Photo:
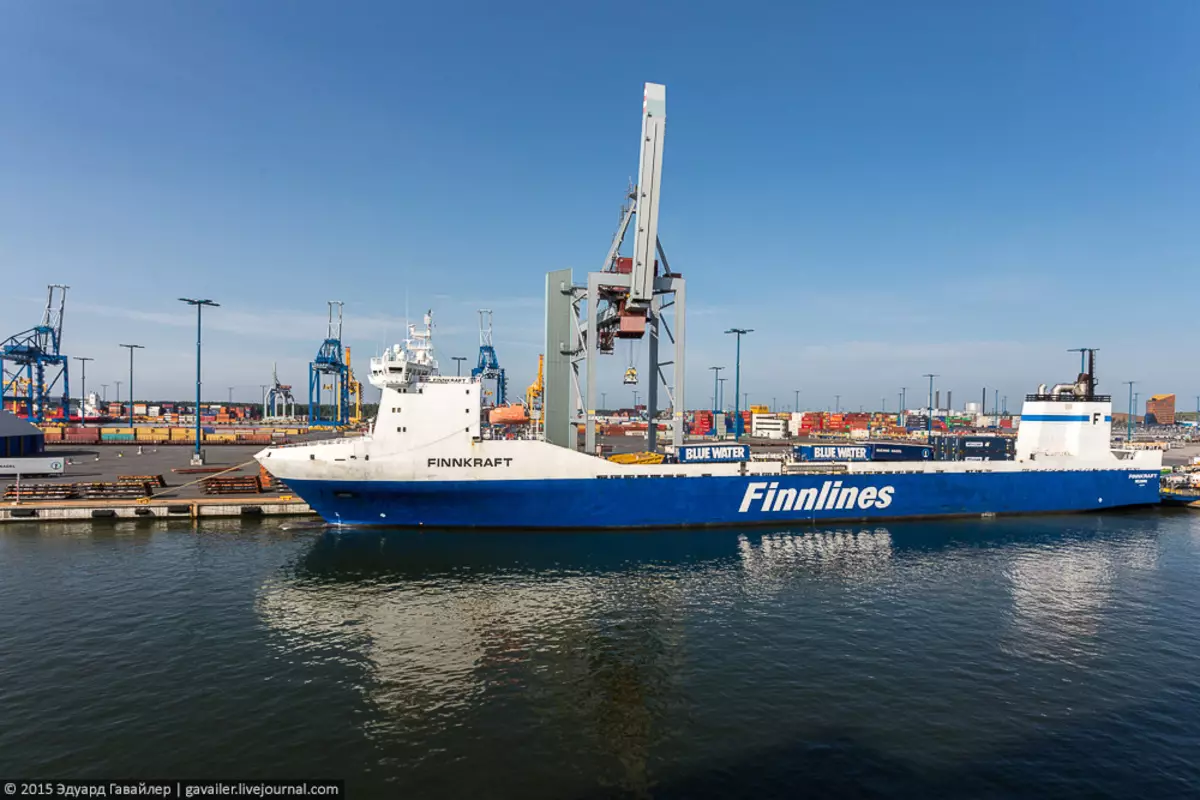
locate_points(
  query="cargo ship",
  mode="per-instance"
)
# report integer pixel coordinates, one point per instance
(428, 462)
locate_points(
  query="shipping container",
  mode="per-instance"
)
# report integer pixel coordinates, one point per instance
(901, 452)
(981, 444)
(823, 452)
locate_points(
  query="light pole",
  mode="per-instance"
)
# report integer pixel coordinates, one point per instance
(198, 456)
(716, 385)
(104, 395)
(458, 364)
(1129, 415)
(635, 394)
(837, 404)
(231, 388)
(603, 401)
(118, 400)
(737, 380)
(929, 422)
(82, 384)
(721, 394)
(797, 406)
(131, 347)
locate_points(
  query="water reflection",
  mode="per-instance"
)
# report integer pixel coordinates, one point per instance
(598, 635)
(591, 638)
(1062, 593)
(773, 560)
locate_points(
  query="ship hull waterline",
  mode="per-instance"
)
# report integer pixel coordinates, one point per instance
(719, 501)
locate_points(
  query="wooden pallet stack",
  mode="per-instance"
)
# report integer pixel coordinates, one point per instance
(155, 481)
(242, 484)
(113, 491)
(41, 491)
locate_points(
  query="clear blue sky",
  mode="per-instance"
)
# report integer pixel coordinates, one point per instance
(879, 189)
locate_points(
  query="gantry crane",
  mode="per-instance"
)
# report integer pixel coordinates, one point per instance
(626, 299)
(533, 395)
(355, 390)
(280, 402)
(331, 365)
(488, 368)
(33, 360)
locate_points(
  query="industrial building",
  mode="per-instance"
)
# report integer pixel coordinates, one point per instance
(18, 438)
(1160, 409)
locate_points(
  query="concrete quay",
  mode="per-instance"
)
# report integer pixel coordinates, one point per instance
(182, 498)
(95, 510)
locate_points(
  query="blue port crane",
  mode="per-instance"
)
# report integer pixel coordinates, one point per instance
(330, 365)
(488, 368)
(32, 362)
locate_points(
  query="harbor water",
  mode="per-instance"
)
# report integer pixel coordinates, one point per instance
(1041, 656)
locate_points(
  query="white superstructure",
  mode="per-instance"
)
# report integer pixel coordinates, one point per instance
(402, 366)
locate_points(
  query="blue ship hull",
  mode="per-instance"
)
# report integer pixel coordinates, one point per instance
(663, 502)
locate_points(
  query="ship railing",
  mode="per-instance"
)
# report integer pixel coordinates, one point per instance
(1068, 398)
(312, 443)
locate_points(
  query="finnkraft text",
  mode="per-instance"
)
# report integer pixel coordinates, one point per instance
(468, 462)
(832, 495)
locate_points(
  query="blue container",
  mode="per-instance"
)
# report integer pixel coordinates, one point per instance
(974, 445)
(833, 452)
(713, 453)
(902, 452)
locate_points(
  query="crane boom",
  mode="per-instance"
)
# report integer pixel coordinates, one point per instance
(654, 122)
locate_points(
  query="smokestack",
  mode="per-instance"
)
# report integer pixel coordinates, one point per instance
(949, 400)
(937, 399)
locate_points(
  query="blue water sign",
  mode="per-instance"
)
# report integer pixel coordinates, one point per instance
(709, 453)
(833, 452)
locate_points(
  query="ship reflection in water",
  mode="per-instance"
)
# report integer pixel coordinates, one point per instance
(624, 661)
(1060, 596)
(592, 629)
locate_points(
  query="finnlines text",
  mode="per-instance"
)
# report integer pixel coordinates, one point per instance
(831, 496)
(468, 462)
